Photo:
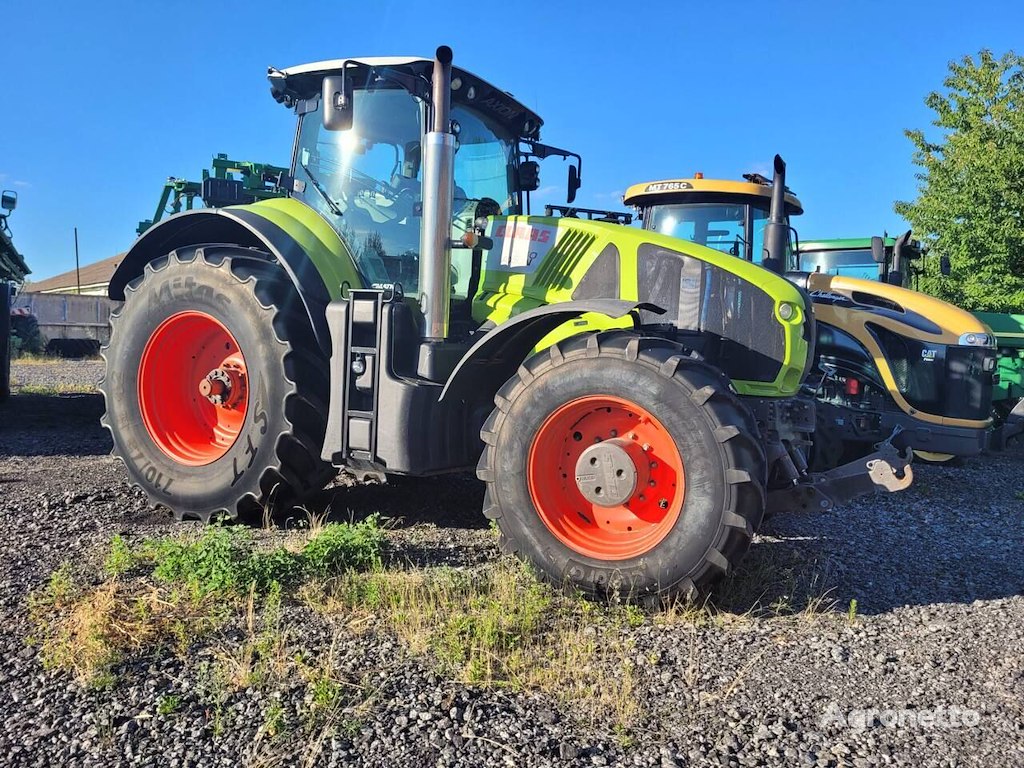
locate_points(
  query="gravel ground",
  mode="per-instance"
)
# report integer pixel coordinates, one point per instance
(939, 627)
(61, 375)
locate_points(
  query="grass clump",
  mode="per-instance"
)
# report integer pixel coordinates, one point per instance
(52, 390)
(221, 560)
(89, 629)
(168, 705)
(170, 593)
(500, 627)
(338, 548)
(226, 560)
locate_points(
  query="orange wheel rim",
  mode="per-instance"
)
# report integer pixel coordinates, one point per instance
(606, 478)
(193, 388)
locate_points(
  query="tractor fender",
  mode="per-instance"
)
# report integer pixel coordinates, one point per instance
(493, 359)
(241, 226)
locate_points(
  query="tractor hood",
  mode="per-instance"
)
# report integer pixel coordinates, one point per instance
(939, 321)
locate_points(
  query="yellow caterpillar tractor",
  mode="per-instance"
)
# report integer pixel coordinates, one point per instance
(888, 360)
(623, 395)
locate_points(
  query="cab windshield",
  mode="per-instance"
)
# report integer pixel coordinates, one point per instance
(851, 263)
(735, 229)
(367, 181)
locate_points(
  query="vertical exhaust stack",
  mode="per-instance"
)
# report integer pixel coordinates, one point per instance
(776, 234)
(438, 154)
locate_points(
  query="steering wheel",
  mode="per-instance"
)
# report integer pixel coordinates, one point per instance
(382, 202)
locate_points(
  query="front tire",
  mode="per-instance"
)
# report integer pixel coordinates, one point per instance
(691, 461)
(215, 389)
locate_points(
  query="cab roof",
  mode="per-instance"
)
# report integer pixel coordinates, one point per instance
(670, 191)
(303, 81)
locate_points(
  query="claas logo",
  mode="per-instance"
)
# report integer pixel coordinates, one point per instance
(534, 234)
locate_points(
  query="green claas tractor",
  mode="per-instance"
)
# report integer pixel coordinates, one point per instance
(622, 394)
(896, 262)
(889, 362)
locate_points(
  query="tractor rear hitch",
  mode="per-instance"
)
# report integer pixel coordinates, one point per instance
(1011, 428)
(887, 470)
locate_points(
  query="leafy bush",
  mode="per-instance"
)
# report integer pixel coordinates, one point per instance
(221, 560)
(340, 547)
(228, 559)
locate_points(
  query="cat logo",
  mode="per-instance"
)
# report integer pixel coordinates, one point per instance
(928, 355)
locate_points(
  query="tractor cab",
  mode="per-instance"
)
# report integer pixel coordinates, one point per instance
(358, 159)
(891, 260)
(729, 216)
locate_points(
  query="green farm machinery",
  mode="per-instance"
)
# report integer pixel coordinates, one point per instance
(232, 182)
(13, 271)
(632, 402)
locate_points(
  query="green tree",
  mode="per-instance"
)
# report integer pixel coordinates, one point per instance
(970, 203)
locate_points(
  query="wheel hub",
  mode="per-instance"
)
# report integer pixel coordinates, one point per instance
(224, 386)
(193, 395)
(607, 474)
(606, 477)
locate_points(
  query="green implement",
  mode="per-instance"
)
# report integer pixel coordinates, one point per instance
(13, 271)
(255, 181)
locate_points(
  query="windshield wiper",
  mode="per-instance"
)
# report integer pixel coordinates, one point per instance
(316, 185)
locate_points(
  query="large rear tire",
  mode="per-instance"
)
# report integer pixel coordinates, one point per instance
(691, 460)
(215, 389)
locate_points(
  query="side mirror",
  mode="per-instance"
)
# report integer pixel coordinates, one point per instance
(574, 184)
(944, 266)
(878, 249)
(9, 201)
(337, 103)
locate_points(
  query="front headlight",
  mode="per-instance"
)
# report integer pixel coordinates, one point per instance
(787, 312)
(977, 340)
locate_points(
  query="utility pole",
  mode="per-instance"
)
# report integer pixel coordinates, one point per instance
(78, 271)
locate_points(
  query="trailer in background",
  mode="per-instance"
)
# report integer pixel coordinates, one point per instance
(73, 325)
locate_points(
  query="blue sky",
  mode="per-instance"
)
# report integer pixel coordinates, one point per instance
(102, 101)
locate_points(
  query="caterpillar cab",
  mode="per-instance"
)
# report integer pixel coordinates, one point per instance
(398, 312)
(887, 360)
